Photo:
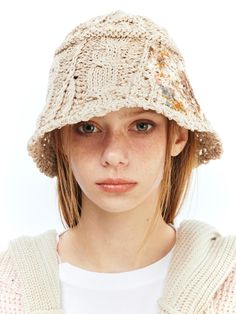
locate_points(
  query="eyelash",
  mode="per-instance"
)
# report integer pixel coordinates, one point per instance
(136, 122)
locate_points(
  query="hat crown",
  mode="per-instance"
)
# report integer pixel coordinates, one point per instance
(120, 25)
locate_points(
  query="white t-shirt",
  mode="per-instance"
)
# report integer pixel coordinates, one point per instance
(131, 292)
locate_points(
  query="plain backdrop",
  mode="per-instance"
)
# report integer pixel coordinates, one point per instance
(30, 32)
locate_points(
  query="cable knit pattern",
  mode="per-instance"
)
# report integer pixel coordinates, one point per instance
(111, 62)
(201, 278)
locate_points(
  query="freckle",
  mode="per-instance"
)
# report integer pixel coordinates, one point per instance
(143, 146)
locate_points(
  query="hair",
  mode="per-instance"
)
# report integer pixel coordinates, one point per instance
(173, 187)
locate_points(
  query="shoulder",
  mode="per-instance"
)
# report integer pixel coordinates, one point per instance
(202, 268)
(205, 241)
(205, 234)
(32, 248)
(15, 265)
(215, 260)
(19, 251)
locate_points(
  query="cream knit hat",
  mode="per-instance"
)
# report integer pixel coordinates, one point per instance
(113, 61)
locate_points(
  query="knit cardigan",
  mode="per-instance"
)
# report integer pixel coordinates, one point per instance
(201, 277)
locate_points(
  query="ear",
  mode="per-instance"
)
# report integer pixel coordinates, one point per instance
(180, 140)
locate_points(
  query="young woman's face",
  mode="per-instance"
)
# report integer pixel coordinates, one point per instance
(123, 144)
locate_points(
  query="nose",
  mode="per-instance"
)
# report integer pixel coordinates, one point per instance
(115, 151)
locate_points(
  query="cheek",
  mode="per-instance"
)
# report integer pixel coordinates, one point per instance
(150, 156)
(151, 149)
(147, 151)
(80, 161)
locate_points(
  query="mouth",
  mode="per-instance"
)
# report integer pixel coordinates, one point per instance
(117, 181)
(116, 188)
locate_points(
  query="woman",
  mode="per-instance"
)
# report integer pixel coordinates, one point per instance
(122, 132)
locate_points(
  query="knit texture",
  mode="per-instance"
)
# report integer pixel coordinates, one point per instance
(29, 276)
(201, 278)
(114, 61)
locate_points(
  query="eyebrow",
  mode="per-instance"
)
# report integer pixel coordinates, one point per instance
(134, 113)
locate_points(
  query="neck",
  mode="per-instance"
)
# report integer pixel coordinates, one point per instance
(109, 242)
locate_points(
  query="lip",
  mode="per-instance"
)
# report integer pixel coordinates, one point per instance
(118, 181)
(117, 188)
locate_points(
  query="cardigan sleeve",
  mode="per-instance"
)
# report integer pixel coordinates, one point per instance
(224, 300)
(10, 296)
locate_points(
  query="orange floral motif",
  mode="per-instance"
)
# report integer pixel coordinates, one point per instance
(178, 106)
(188, 91)
(162, 58)
(164, 53)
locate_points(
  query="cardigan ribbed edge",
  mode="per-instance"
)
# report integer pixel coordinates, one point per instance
(195, 275)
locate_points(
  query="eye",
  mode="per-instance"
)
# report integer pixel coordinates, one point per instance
(85, 128)
(143, 126)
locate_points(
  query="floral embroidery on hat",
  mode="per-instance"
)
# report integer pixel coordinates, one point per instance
(187, 91)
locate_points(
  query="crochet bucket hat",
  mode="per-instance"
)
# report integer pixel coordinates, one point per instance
(113, 61)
